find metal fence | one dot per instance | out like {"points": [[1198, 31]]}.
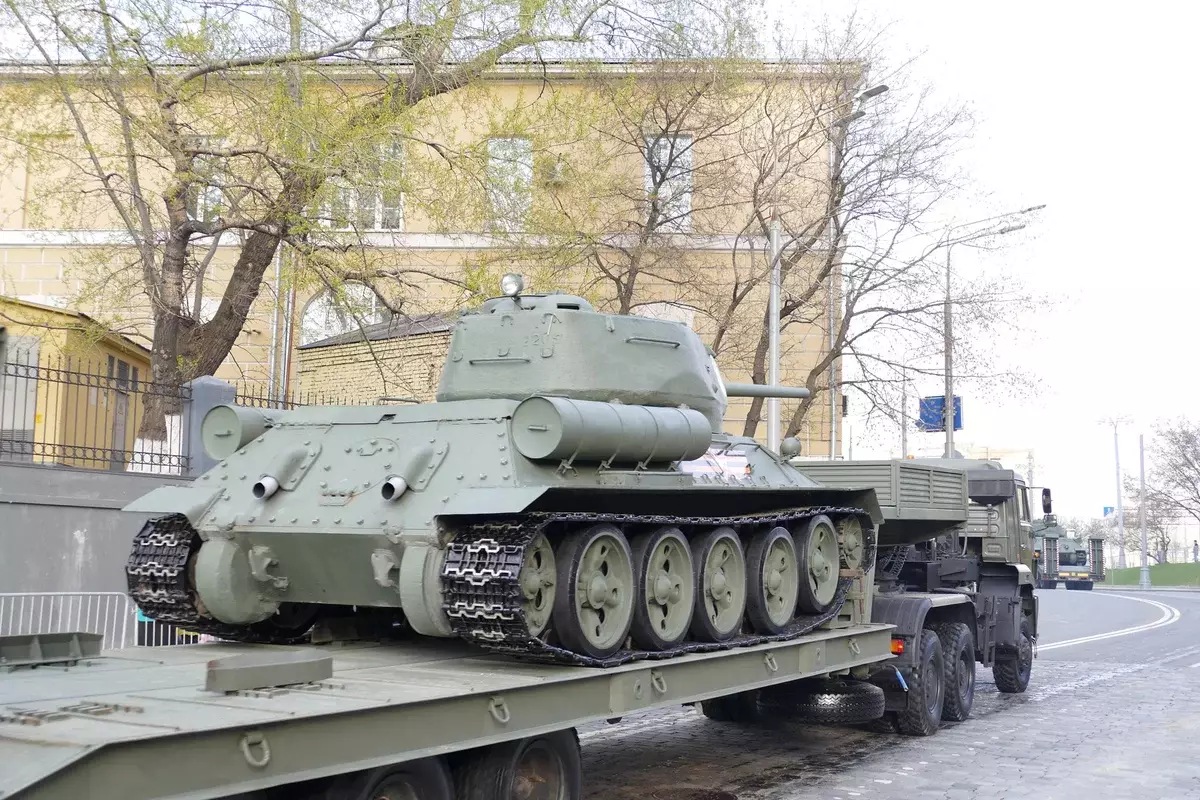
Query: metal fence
{"points": [[256, 395], [113, 614], [90, 414]]}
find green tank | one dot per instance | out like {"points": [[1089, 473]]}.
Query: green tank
{"points": [[1063, 556], [570, 497]]}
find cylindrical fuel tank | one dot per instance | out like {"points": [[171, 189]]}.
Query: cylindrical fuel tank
{"points": [[585, 430]]}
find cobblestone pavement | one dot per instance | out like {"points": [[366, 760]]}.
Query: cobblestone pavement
{"points": [[1115, 718]]}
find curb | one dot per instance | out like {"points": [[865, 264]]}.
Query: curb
{"points": [[1151, 589]]}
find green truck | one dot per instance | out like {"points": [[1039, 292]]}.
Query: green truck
{"points": [[425, 601], [1062, 556]]}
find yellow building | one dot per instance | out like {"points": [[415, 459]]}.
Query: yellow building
{"points": [[70, 388], [685, 273]]}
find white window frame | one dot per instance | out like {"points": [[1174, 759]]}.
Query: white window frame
{"points": [[509, 182], [669, 165], [336, 319], [355, 201]]}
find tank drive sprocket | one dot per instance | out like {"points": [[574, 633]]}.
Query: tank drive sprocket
{"points": [[482, 592]]}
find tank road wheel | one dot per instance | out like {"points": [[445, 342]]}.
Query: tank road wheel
{"points": [[852, 542], [958, 652], [817, 552], [423, 779], [545, 767], [774, 580], [662, 560], [594, 609], [1012, 674], [537, 584], [720, 570]]}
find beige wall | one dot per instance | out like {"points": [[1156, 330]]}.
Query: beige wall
{"points": [[105, 281]]}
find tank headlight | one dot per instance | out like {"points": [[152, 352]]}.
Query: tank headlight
{"points": [[512, 284]]}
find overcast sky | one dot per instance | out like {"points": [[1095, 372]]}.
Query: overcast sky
{"points": [[1084, 108]]}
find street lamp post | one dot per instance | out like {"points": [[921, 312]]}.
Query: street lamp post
{"points": [[947, 315], [773, 423]]}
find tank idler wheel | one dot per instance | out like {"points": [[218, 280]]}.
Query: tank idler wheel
{"points": [[817, 552], [774, 580], [851, 541], [662, 560], [595, 597], [720, 570], [537, 579], [423, 779]]}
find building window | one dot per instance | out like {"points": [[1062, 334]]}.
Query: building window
{"points": [[510, 180], [374, 204], [672, 312], [669, 181], [328, 315], [205, 198]]}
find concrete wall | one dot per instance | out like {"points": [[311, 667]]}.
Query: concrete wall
{"points": [[62, 530]]}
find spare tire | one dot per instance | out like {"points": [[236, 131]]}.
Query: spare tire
{"points": [[839, 702]]}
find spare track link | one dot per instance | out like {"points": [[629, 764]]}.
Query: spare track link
{"points": [[157, 575], [481, 594]]}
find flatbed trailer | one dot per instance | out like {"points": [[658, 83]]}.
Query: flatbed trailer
{"points": [[140, 722]]}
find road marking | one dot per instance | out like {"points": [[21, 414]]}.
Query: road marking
{"points": [[1170, 615]]}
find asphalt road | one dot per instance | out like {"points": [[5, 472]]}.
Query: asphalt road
{"points": [[1112, 711]]}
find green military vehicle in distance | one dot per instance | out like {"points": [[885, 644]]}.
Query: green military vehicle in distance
{"points": [[1064, 556]]}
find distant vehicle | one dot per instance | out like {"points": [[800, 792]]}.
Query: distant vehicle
{"points": [[1066, 557]]}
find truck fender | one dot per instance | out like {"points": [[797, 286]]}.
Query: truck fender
{"points": [[191, 501]]}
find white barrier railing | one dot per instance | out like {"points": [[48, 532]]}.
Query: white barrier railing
{"points": [[113, 614]]}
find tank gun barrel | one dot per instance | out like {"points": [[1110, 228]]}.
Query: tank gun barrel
{"points": [[763, 390]]}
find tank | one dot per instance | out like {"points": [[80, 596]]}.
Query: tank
{"points": [[570, 497]]}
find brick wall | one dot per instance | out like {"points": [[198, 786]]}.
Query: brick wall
{"points": [[362, 372]]}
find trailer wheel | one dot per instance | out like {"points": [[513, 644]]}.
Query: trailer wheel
{"points": [[423, 779], [958, 652], [526, 769], [1012, 674], [926, 690], [834, 702], [738, 708]]}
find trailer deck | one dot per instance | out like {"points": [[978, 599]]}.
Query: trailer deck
{"points": [[141, 723]]}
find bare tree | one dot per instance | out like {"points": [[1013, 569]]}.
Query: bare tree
{"points": [[196, 125], [856, 186]]}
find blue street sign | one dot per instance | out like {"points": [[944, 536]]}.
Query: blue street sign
{"points": [[931, 413], [1109, 511]]}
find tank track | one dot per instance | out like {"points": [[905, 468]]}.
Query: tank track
{"points": [[481, 594], [157, 575]]}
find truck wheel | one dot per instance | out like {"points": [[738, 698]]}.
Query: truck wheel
{"points": [[741, 708], [540, 766], [958, 652], [423, 779], [1012, 674], [926, 690], [836, 702]]}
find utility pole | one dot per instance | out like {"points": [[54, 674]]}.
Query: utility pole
{"points": [[1120, 505], [1145, 576], [1029, 468], [773, 342], [903, 412], [948, 340], [948, 329]]}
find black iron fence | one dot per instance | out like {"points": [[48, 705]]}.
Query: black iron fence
{"points": [[93, 414], [257, 395]]}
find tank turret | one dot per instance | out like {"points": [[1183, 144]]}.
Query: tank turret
{"points": [[570, 496]]}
